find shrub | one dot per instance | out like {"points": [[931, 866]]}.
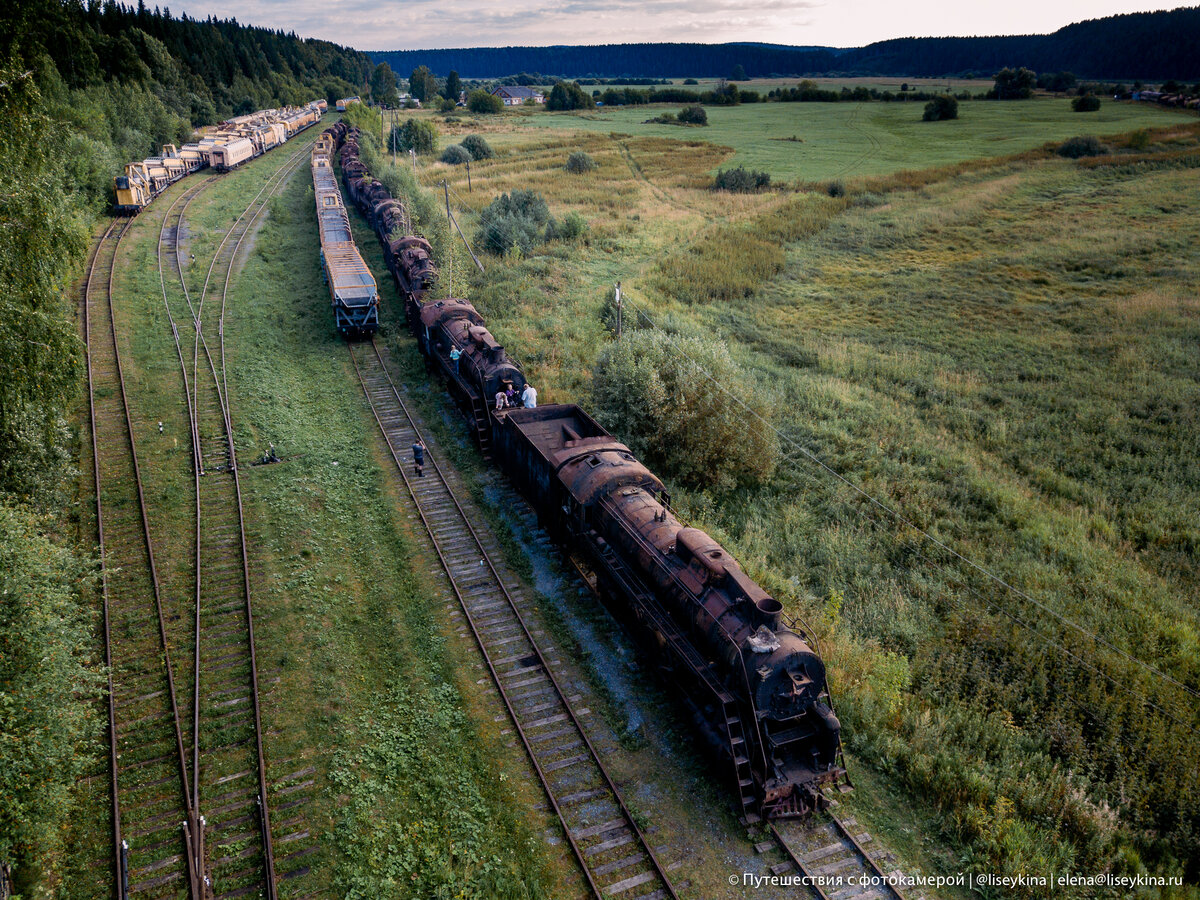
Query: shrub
{"points": [[1084, 145], [456, 155], [569, 95], [517, 220], [1086, 103], [655, 391], [480, 101], [580, 162], [666, 118], [940, 108], [571, 228], [477, 147], [693, 115], [415, 134], [741, 180], [446, 104], [1139, 140], [690, 81], [836, 189]]}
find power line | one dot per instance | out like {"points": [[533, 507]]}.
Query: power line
{"points": [[900, 517]]}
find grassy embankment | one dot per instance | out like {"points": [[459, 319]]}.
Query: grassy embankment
{"points": [[407, 798], [1005, 352]]}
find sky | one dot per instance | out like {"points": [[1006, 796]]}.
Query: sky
{"points": [[427, 24]]}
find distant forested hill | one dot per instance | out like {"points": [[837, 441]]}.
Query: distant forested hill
{"points": [[1151, 46]]}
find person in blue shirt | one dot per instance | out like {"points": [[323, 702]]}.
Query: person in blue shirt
{"points": [[454, 355]]}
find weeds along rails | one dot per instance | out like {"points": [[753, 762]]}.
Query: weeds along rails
{"points": [[235, 142], [754, 683], [154, 822], [604, 835], [228, 765], [187, 807]]}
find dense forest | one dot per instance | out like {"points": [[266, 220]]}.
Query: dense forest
{"points": [[1149, 46], [83, 90]]}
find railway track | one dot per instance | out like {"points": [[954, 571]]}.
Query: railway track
{"points": [[613, 852], [234, 845], [831, 853], [152, 817]]}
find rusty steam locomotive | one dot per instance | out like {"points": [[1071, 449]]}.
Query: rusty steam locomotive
{"points": [[753, 682]]}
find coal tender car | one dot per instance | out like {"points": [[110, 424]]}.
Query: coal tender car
{"points": [[352, 290], [754, 684]]}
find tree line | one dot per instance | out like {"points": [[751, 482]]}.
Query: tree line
{"points": [[1152, 46]]}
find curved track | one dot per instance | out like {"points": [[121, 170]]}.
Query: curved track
{"points": [[832, 856], [614, 854], [234, 847], [153, 821]]}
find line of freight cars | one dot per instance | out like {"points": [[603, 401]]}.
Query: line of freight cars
{"points": [[352, 290], [236, 141], [753, 682]]}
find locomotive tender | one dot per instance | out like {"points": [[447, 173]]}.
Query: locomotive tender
{"points": [[754, 684]]}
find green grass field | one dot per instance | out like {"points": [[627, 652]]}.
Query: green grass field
{"points": [[837, 140], [1004, 351]]}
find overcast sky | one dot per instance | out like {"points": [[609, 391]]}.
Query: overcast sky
{"points": [[420, 24]]}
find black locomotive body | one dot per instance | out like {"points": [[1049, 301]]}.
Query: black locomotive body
{"points": [[407, 255], [755, 685]]}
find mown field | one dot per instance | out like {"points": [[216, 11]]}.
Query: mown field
{"points": [[1004, 352]]}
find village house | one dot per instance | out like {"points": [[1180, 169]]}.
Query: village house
{"points": [[515, 95]]}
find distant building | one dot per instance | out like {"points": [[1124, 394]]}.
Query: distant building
{"points": [[515, 95]]}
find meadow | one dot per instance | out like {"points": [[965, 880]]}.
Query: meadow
{"points": [[1000, 346], [819, 141]]}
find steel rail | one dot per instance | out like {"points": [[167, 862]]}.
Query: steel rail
{"points": [[853, 845], [192, 389], [190, 195], [498, 681], [121, 870]]}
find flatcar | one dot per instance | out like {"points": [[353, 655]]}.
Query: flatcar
{"points": [[352, 290]]}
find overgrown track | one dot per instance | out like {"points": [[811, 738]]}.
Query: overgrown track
{"points": [[831, 853], [228, 766], [151, 813], [614, 853]]}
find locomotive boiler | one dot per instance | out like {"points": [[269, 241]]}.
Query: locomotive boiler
{"points": [[754, 684]]}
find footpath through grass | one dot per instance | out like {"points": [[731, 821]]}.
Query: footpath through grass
{"points": [[1006, 353]]}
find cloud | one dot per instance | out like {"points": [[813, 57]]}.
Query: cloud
{"points": [[421, 24]]}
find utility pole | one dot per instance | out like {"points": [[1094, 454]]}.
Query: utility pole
{"points": [[413, 154], [450, 246], [468, 176], [618, 310]]}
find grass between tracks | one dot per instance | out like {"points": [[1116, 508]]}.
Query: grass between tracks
{"points": [[358, 682], [1003, 349]]}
